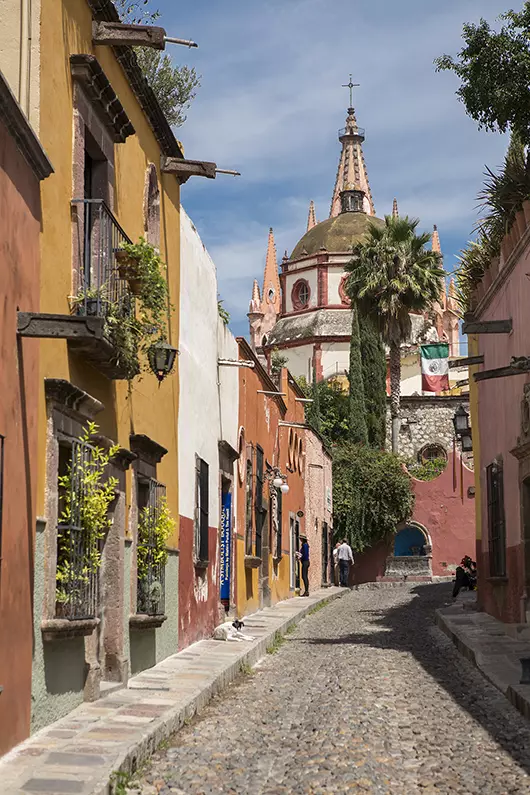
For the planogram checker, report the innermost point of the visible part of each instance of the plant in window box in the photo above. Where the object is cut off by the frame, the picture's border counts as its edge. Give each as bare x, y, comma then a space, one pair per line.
154, 529
86, 494
90, 301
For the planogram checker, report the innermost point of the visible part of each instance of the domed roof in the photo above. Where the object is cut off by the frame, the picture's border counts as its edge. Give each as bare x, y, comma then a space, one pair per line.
340, 233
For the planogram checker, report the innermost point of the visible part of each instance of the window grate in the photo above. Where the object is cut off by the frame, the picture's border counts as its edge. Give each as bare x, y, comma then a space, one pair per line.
496, 519
258, 501
150, 557
202, 509
248, 526
279, 514
78, 547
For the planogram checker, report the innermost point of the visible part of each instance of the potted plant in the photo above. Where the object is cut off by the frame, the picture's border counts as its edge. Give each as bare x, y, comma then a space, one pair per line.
140, 264
90, 301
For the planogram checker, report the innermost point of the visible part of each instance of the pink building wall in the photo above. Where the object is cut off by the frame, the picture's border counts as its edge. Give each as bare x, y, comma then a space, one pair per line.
318, 506
448, 519
499, 412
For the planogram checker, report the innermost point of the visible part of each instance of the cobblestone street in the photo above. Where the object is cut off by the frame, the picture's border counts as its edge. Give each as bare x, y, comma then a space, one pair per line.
365, 695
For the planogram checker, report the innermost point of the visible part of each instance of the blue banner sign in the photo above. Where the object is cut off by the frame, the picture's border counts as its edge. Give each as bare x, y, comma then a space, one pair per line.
226, 543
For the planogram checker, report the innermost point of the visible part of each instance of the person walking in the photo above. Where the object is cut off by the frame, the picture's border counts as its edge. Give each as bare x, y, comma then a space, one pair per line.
304, 560
345, 556
336, 579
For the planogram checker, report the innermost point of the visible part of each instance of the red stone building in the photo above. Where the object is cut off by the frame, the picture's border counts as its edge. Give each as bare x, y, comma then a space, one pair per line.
23, 164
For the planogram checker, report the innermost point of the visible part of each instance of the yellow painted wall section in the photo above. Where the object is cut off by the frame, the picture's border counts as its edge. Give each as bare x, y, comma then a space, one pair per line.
473, 347
247, 582
144, 407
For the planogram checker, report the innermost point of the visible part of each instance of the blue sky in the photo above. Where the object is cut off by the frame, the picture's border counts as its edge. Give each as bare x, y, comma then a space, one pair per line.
271, 103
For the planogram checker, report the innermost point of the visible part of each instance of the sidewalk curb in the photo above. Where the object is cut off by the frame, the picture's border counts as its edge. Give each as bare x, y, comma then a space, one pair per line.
488, 665
19, 765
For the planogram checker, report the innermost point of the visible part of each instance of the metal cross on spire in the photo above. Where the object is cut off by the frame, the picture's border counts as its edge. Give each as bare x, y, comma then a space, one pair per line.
351, 86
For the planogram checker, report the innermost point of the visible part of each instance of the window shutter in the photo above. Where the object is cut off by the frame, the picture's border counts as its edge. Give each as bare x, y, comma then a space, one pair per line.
204, 510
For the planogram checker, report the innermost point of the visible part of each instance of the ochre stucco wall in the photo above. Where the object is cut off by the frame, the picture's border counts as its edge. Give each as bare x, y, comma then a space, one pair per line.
19, 266
143, 407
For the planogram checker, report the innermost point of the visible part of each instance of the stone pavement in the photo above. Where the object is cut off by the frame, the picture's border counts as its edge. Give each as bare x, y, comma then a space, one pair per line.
79, 754
367, 695
495, 648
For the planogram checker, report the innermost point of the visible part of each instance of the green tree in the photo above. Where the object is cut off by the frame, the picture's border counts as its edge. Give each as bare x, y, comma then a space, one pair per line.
358, 432
393, 274
314, 418
494, 70
174, 86
372, 494
334, 407
374, 381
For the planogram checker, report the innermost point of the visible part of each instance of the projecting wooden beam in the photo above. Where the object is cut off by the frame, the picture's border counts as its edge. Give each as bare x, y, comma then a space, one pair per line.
487, 326
184, 169
519, 367
469, 361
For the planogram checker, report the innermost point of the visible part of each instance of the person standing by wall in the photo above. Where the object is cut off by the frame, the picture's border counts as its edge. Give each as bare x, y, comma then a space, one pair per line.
336, 568
345, 556
304, 560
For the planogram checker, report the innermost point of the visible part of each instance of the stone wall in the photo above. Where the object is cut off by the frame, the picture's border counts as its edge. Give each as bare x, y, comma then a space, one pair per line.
426, 420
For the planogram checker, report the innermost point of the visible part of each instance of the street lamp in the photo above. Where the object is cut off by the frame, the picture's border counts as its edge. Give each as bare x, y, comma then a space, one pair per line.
461, 422
284, 488
277, 482
277, 479
162, 357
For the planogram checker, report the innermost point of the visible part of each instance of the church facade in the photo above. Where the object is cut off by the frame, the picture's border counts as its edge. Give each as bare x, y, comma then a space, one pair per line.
303, 310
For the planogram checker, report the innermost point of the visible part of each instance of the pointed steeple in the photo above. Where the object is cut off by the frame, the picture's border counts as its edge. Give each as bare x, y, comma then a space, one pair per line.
395, 210
255, 301
311, 218
352, 175
436, 240
270, 296
452, 302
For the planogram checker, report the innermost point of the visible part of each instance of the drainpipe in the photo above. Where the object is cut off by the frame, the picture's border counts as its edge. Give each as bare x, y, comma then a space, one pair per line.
26, 19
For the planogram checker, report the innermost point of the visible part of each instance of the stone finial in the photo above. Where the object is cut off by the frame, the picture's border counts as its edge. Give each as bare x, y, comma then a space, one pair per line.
255, 301
395, 210
436, 240
311, 218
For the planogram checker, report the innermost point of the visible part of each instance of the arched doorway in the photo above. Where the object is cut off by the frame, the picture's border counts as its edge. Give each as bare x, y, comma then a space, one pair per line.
411, 540
412, 554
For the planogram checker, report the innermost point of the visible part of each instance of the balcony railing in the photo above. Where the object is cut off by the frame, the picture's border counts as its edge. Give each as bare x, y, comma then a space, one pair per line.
99, 290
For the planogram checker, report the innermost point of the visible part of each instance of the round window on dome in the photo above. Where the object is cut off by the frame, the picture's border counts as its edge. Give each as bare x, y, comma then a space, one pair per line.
300, 295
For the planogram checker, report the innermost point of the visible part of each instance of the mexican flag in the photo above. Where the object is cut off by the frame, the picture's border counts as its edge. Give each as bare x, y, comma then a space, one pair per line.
435, 367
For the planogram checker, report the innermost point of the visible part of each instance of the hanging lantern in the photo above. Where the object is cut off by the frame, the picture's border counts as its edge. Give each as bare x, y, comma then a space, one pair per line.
461, 421
277, 482
467, 442
284, 488
162, 357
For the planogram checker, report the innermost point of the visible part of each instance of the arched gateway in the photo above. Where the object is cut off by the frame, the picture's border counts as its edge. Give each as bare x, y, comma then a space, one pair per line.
412, 553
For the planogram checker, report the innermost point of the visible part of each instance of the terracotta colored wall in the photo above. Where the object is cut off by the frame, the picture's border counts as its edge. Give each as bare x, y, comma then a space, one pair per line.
449, 520
198, 591
318, 485
499, 420
19, 266
259, 415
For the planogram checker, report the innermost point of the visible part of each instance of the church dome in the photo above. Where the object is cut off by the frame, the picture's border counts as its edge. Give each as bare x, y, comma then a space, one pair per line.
339, 233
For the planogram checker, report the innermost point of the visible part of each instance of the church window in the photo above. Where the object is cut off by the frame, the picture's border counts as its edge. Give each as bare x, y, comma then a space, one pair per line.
301, 294
271, 294
432, 452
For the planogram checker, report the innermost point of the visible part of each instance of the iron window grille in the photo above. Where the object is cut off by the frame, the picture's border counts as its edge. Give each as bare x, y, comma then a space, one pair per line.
325, 551
78, 546
248, 507
496, 519
151, 569
259, 512
279, 516
432, 452
202, 510
101, 291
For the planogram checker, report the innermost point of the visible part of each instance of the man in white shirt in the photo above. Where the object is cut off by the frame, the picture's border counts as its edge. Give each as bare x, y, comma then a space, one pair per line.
345, 558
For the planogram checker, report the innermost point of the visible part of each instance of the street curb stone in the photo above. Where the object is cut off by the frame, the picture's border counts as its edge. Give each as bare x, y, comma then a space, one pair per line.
124, 729
483, 641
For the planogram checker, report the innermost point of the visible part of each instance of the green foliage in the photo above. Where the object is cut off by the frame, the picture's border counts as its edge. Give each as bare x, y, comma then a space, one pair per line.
427, 470
136, 12
224, 314
333, 409
278, 361
374, 381
154, 530
313, 411
174, 86
358, 432
494, 70
86, 497
372, 494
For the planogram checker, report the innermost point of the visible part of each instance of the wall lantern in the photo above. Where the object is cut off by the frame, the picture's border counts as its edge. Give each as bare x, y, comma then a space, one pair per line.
461, 422
285, 488
277, 482
466, 442
162, 357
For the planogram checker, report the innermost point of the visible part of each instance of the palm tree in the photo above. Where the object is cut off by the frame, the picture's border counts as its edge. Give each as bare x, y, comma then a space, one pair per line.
393, 274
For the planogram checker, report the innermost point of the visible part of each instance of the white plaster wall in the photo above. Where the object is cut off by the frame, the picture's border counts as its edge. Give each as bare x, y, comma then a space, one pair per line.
334, 279
20, 58
228, 387
299, 361
335, 358
311, 278
199, 409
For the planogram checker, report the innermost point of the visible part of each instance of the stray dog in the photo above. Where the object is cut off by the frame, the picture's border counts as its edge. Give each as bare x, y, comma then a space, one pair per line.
231, 632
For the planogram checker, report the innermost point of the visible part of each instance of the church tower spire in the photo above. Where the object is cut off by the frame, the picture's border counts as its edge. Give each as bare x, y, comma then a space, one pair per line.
311, 218
352, 191
270, 296
395, 210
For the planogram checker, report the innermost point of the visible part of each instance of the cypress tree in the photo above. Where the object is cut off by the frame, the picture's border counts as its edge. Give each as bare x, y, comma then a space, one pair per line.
358, 430
374, 381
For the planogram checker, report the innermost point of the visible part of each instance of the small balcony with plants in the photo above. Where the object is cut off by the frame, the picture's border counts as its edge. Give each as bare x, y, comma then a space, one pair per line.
119, 303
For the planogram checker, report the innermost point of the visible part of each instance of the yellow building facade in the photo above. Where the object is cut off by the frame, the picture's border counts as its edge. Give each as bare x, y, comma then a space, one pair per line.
104, 130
